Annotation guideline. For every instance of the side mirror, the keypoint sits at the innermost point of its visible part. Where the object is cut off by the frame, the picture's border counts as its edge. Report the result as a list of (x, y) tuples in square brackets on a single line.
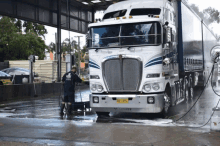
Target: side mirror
[(168, 35)]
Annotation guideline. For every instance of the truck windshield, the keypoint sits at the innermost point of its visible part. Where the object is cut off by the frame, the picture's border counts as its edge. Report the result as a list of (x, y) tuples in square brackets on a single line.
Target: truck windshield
[(125, 35)]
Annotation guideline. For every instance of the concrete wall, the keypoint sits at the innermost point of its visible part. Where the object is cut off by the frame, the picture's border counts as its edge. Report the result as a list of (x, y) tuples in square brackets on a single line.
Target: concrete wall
[(18, 92), (46, 69)]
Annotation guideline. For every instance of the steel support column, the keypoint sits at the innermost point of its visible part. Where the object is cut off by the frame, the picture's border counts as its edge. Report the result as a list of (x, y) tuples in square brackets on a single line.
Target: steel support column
[(59, 40), (93, 15)]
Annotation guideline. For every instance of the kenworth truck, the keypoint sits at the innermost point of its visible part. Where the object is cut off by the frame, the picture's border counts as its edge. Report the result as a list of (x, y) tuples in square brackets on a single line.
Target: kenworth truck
[(147, 55)]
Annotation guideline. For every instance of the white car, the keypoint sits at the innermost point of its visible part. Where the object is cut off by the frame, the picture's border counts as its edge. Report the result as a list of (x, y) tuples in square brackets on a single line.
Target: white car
[(17, 71)]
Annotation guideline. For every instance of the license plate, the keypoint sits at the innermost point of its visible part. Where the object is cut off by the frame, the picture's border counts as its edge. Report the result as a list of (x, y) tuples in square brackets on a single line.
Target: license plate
[(122, 100)]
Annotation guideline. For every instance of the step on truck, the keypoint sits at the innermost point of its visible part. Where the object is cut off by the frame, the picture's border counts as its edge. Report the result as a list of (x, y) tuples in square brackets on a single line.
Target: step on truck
[(147, 55)]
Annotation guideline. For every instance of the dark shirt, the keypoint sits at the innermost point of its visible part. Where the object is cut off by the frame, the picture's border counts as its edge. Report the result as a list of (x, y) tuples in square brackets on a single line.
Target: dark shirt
[(69, 79)]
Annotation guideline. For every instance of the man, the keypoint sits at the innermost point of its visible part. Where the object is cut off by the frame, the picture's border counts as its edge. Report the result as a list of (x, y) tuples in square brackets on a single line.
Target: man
[(69, 79)]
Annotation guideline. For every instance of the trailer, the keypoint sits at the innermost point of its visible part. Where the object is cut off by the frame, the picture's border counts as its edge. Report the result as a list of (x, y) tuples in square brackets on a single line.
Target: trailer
[(146, 56)]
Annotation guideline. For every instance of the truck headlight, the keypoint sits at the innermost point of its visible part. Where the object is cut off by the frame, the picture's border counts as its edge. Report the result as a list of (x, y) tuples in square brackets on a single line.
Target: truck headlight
[(93, 87), (147, 87), (99, 88), (156, 86)]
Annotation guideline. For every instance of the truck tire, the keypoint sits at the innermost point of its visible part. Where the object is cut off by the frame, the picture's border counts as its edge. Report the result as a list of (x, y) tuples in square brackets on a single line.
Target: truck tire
[(181, 92), (164, 112), (102, 114), (186, 89), (167, 102)]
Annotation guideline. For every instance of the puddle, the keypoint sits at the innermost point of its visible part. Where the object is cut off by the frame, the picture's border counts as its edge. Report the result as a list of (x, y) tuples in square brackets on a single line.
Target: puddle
[(4, 115)]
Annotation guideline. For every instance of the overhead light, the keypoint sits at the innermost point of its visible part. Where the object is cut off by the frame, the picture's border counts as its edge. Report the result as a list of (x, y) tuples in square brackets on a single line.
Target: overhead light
[(85, 3), (97, 1)]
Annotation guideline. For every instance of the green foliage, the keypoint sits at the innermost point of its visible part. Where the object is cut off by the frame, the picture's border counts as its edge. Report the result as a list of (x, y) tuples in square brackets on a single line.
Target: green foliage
[(213, 15), (17, 46), (52, 47), (208, 15), (34, 27), (18, 24)]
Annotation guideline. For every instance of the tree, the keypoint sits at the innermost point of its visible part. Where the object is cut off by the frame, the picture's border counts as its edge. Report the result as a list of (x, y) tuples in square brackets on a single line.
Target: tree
[(18, 46), (212, 14), (7, 31), (34, 27), (209, 15), (52, 47)]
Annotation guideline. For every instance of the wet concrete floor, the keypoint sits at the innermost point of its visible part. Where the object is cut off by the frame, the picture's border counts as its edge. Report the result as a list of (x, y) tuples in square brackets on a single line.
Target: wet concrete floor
[(38, 121), (48, 108)]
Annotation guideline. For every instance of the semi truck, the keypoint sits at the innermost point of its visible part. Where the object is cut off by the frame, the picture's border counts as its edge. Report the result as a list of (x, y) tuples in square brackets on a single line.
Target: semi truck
[(146, 56)]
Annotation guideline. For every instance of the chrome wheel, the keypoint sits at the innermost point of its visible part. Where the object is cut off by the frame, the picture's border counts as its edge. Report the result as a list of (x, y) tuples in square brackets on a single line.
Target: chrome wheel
[(167, 102)]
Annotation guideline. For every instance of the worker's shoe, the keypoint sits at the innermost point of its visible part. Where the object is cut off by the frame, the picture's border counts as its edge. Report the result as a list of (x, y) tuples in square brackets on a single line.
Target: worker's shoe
[(62, 107), (69, 108)]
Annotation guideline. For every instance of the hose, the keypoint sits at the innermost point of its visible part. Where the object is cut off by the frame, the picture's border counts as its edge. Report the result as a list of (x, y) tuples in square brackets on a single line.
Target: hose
[(215, 106), (198, 97), (210, 75)]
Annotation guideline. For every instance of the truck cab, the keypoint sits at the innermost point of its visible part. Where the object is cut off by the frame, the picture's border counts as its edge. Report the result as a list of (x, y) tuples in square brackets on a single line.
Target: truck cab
[(127, 51), (147, 55)]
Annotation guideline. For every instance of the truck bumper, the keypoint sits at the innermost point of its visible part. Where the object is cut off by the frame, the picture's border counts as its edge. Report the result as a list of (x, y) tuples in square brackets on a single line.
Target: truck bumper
[(136, 103)]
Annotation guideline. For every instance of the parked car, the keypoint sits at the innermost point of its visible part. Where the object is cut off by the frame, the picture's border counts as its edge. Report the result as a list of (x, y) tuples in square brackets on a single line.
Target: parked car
[(5, 78), (18, 71)]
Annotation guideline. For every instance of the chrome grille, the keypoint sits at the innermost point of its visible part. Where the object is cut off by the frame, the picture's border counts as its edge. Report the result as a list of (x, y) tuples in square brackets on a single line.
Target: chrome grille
[(122, 75)]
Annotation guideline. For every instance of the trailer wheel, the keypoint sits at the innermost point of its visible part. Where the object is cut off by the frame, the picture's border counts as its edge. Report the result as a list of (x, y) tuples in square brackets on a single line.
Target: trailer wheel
[(191, 90), (186, 89), (102, 114), (181, 89)]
